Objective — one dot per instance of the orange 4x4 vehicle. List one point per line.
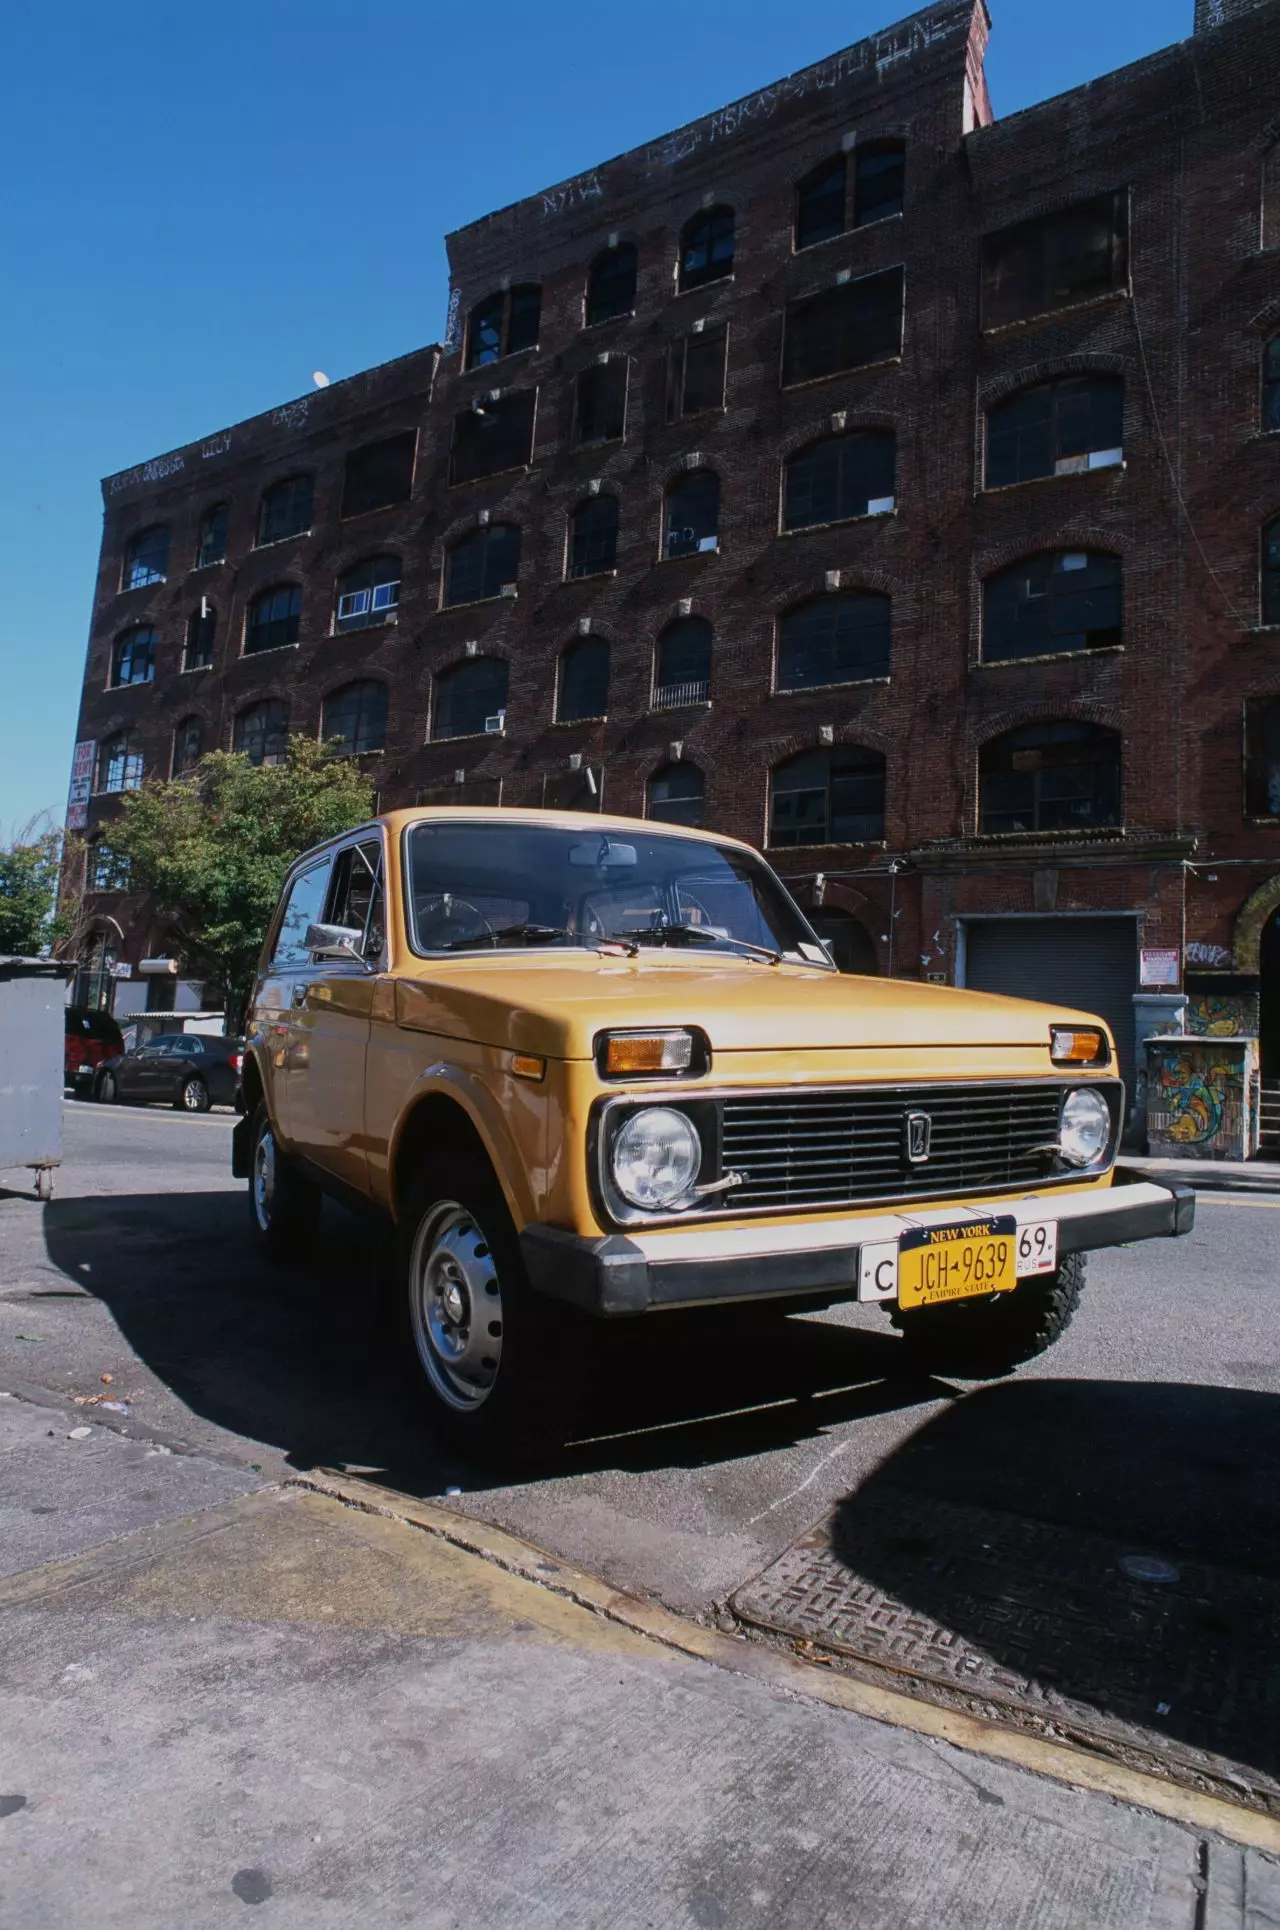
(596, 1067)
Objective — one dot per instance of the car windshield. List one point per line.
(481, 886)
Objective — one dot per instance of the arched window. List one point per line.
(706, 247)
(482, 564)
(273, 619)
(146, 558)
(503, 323)
(1069, 600)
(677, 795)
(188, 746)
(842, 639)
(1271, 384)
(584, 681)
(691, 519)
(211, 543)
(368, 594)
(1056, 429)
(820, 202)
(682, 674)
(285, 509)
(119, 763)
(471, 699)
(839, 478)
(133, 658)
(1271, 572)
(262, 732)
(593, 536)
(356, 717)
(880, 172)
(1262, 757)
(198, 650)
(1060, 776)
(828, 797)
(850, 943)
(611, 284)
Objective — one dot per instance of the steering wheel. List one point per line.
(445, 920)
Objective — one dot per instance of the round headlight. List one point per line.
(1085, 1127)
(656, 1157)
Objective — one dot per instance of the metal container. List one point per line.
(33, 999)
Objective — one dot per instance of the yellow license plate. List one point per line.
(937, 1263)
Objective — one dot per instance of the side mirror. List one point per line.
(334, 941)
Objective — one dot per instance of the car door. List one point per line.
(327, 1074)
(281, 997)
(145, 1077)
(185, 1057)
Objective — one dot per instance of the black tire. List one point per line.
(105, 1090)
(985, 1339)
(490, 1362)
(192, 1095)
(283, 1206)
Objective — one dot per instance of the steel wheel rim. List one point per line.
(193, 1095)
(455, 1305)
(264, 1178)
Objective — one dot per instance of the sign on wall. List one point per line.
(1160, 966)
(81, 785)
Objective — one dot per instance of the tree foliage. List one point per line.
(213, 848)
(30, 919)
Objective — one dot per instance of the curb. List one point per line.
(1209, 1176)
(792, 1676)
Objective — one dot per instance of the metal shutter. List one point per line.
(1089, 964)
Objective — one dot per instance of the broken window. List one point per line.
(261, 732)
(706, 247)
(482, 564)
(840, 639)
(696, 373)
(601, 404)
(274, 619)
(146, 559)
(1056, 428)
(1271, 384)
(691, 516)
(188, 746)
(504, 323)
(879, 180)
(828, 797)
(119, 763)
(593, 536)
(285, 510)
(368, 594)
(201, 625)
(820, 203)
(683, 670)
(471, 699)
(584, 681)
(493, 435)
(845, 327)
(840, 477)
(611, 284)
(211, 544)
(1073, 256)
(133, 658)
(379, 475)
(677, 795)
(1070, 600)
(355, 717)
(1262, 757)
(1049, 777)
(108, 871)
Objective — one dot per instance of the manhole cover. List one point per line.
(1169, 1662)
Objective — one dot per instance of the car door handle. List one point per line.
(299, 995)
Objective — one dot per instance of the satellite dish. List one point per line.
(320, 379)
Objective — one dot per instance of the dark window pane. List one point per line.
(706, 248)
(593, 536)
(1271, 573)
(1072, 600)
(484, 332)
(840, 639)
(524, 313)
(677, 795)
(692, 514)
(262, 732)
(611, 285)
(285, 510)
(133, 658)
(368, 594)
(840, 477)
(212, 544)
(146, 560)
(356, 717)
(602, 402)
(201, 625)
(1055, 428)
(697, 373)
(471, 698)
(820, 203)
(493, 436)
(1271, 384)
(482, 564)
(845, 327)
(503, 323)
(684, 664)
(274, 619)
(584, 681)
(1072, 256)
(1262, 755)
(379, 475)
(879, 177)
(828, 797)
(188, 746)
(1049, 777)
(119, 764)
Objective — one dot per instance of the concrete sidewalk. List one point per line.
(276, 1702)
(1214, 1175)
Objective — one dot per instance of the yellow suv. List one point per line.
(594, 1066)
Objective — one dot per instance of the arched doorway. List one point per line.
(851, 943)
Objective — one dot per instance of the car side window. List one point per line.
(356, 898)
(187, 1048)
(304, 907)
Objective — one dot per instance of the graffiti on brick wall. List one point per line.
(572, 194)
(453, 322)
(1223, 1015)
(293, 414)
(147, 472)
(217, 447)
(1213, 958)
(1196, 1098)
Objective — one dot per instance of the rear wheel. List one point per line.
(193, 1095)
(983, 1339)
(283, 1206)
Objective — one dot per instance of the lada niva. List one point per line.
(589, 1066)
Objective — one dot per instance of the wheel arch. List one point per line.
(446, 1111)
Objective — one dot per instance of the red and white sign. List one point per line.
(1161, 967)
(81, 785)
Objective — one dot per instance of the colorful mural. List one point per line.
(1201, 1098)
(1223, 1015)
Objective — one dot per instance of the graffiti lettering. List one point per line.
(453, 321)
(218, 447)
(293, 414)
(572, 194)
(148, 472)
(1215, 957)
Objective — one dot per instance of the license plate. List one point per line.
(1037, 1248)
(937, 1263)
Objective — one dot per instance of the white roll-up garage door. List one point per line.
(1090, 964)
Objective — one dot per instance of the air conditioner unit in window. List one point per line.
(354, 604)
(495, 725)
(386, 596)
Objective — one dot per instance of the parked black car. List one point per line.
(191, 1070)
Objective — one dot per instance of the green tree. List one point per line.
(30, 920)
(213, 848)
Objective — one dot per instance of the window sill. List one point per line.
(579, 723)
(837, 375)
(358, 515)
(131, 589)
(691, 556)
(476, 603)
(701, 287)
(1084, 834)
(842, 522)
(1264, 630)
(275, 541)
(490, 475)
(512, 355)
(844, 844)
(845, 234)
(1273, 822)
(268, 650)
(1053, 475)
(471, 737)
(607, 321)
(818, 690)
(361, 629)
(194, 669)
(142, 683)
(589, 576)
(1056, 314)
(584, 447)
(670, 710)
(1049, 656)
(214, 563)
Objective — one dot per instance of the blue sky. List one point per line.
(204, 204)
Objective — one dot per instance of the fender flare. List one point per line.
(477, 1102)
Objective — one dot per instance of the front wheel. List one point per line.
(193, 1096)
(283, 1206)
(106, 1091)
(985, 1339)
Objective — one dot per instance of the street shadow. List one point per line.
(304, 1358)
(1114, 1545)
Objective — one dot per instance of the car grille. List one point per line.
(825, 1148)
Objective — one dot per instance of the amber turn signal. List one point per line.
(525, 1066)
(1072, 1045)
(629, 1053)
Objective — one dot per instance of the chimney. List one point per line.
(1218, 13)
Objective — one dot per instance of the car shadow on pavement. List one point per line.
(303, 1359)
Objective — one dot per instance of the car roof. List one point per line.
(396, 822)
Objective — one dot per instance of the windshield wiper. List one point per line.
(531, 934)
(660, 934)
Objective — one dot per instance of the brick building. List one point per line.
(879, 481)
